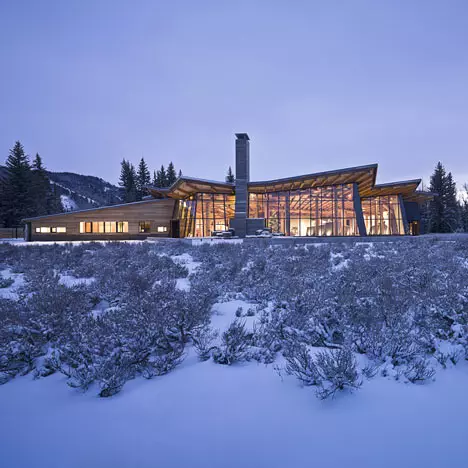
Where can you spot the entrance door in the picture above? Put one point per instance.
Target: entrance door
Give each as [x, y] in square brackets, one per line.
[175, 228]
[414, 228]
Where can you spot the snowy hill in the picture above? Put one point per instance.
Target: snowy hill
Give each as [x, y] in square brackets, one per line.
[79, 192]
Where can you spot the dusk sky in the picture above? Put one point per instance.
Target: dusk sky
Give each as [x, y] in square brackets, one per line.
[318, 85]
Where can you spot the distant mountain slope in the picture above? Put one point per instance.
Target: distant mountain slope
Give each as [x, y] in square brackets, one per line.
[80, 192]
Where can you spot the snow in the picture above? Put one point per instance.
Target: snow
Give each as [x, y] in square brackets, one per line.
[11, 291]
[68, 203]
[69, 280]
[224, 313]
[208, 415]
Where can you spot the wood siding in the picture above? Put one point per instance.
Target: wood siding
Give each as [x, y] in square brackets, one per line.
[157, 212]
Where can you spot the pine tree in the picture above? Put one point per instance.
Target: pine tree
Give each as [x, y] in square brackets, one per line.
[161, 179]
[143, 179]
[464, 209]
[230, 176]
[17, 200]
[443, 209]
[40, 186]
[128, 181]
[180, 173]
[155, 179]
[452, 209]
[436, 206]
[171, 175]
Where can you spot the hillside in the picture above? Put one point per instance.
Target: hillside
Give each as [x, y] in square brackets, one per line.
[80, 192]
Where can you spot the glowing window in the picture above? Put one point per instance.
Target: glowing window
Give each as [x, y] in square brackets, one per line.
[144, 226]
[122, 226]
[162, 228]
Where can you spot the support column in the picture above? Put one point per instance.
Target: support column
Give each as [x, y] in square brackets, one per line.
[358, 211]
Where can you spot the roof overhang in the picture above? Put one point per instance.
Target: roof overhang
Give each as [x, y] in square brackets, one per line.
[184, 187]
[364, 176]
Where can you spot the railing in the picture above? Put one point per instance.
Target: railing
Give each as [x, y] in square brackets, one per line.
[12, 233]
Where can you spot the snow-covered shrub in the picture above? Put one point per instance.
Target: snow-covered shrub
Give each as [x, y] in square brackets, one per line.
[300, 364]
[419, 370]
[6, 282]
[336, 370]
[203, 342]
[235, 342]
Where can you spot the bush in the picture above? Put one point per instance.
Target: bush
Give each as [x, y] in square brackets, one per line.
[235, 342]
[6, 282]
[337, 371]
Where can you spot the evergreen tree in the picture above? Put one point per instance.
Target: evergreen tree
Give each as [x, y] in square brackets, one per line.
[40, 187]
[443, 209]
[128, 181]
[230, 176]
[452, 208]
[436, 206]
[171, 174]
[143, 179]
[17, 199]
[155, 179]
[161, 179]
[464, 210]
[180, 173]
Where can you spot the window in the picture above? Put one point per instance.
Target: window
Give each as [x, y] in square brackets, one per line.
[203, 213]
[162, 228]
[59, 229]
[110, 226]
[99, 227]
[144, 226]
[382, 215]
[47, 229]
[319, 211]
[122, 226]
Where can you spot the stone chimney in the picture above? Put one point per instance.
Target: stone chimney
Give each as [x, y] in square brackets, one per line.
[242, 179]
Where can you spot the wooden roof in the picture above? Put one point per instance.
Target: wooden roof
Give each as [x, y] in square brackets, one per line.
[184, 186]
[364, 176]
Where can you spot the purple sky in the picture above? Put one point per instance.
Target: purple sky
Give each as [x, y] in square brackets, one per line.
[318, 85]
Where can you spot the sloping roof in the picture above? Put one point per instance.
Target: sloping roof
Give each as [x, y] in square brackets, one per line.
[185, 186]
[363, 175]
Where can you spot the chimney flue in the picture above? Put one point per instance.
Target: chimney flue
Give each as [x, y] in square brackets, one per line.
[242, 179]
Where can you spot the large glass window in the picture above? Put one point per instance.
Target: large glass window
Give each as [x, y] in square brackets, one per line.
[203, 213]
[382, 215]
[319, 211]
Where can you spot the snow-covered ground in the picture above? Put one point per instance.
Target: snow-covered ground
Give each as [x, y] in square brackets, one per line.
[68, 203]
[206, 415]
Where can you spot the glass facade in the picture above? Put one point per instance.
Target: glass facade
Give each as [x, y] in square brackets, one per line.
[382, 215]
[320, 211]
[203, 213]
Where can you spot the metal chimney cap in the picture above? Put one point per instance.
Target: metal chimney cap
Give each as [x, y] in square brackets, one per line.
[242, 136]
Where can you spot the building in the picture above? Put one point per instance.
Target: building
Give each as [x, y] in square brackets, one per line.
[344, 202]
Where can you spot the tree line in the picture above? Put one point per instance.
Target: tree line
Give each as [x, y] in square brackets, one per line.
[445, 212]
[25, 190]
[134, 182]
